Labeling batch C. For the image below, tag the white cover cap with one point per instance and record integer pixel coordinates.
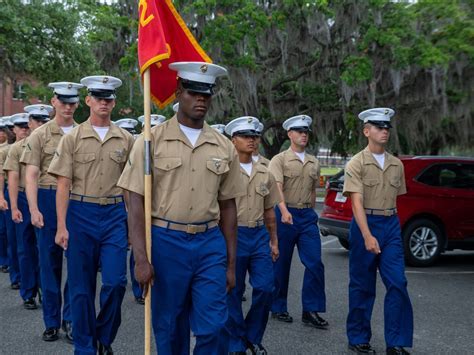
(126, 123)
(102, 86)
(66, 91)
(247, 124)
(300, 121)
(39, 110)
(176, 107)
(156, 120)
(380, 116)
(201, 72)
(20, 118)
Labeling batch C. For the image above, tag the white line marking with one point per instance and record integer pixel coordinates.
(328, 241)
(441, 272)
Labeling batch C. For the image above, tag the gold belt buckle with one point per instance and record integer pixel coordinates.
(300, 204)
(387, 213)
(192, 228)
(103, 201)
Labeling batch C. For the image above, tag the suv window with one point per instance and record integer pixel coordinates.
(451, 175)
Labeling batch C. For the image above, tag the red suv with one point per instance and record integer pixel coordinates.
(436, 213)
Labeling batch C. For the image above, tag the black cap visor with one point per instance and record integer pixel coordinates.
(381, 124)
(246, 133)
(131, 130)
(21, 125)
(300, 129)
(198, 87)
(41, 118)
(68, 99)
(102, 94)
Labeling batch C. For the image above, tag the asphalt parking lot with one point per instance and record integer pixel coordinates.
(442, 297)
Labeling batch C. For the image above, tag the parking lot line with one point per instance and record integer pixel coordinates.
(440, 272)
(328, 241)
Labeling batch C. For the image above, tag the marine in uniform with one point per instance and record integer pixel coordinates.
(21, 131)
(92, 218)
(256, 156)
(257, 245)
(155, 120)
(3, 230)
(196, 178)
(25, 235)
(297, 175)
(41, 194)
(373, 180)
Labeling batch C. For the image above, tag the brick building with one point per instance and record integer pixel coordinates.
(12, 96)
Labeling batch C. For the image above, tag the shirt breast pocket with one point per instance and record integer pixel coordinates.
(262, 191)
(49, 150)
(167, 172)
(215, 169)
(118, 156)
(83, 163)
(370, 189)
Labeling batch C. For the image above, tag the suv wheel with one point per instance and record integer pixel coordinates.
(344, 243)
(423, 242)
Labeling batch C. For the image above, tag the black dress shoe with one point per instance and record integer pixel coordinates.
(30, 303)
(51, 334)
(105, 349)
(15, 286)
(4, 269)
(237, 353)
(67, 329)
(313, 319)
(362, 348)
(283, 317)
(397, 350)
(140, 300)
(257, 349)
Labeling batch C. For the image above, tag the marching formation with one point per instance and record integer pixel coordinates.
(221, 212)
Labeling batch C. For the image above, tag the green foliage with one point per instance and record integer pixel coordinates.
(356, 70)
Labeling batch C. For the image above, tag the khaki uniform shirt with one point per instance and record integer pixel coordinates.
(187, 181)
(93, 165)
(262, 194)
(299, 179)
(12, 163)
(379, 187)
(3, 156)
(39, 150)
(262, 160)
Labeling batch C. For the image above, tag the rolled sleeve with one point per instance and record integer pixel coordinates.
(62, 163)
(276, 168)
(12, 163)
(32, 152)
(403, 188)
(132, 178)
(352, 178)
(316, 180)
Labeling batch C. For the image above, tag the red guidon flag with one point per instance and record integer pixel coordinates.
(163, 38)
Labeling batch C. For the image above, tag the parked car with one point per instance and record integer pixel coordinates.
(436, 214)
